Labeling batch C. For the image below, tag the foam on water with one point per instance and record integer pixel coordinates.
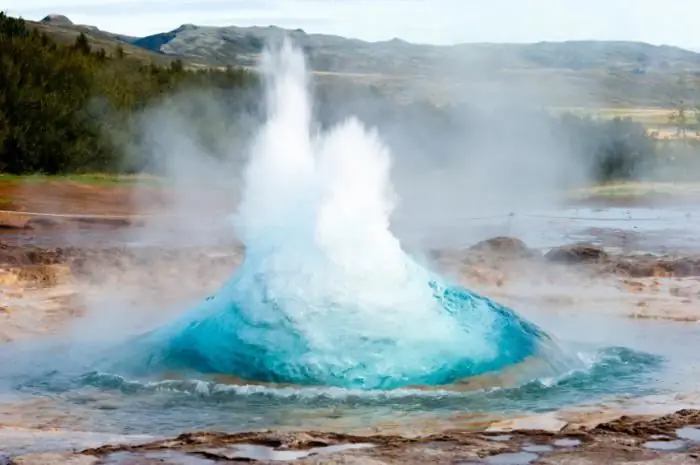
(601, 375)
(326, 295)
(174, 403)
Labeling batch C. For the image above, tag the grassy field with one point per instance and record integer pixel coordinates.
(628, 189)
(652, 117)
(86, 179)
(656, 120)
(106, 178)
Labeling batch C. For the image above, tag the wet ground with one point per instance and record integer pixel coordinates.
(669, 229)
(671, 439)
(589, 301)
(627, 303)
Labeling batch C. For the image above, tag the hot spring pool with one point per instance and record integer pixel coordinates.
(331, 324)
(651, 363)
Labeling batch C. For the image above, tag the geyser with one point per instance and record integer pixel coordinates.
(325, 294)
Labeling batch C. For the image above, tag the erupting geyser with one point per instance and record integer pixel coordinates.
(325, 294)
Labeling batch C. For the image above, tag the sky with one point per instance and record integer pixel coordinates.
(673, 22)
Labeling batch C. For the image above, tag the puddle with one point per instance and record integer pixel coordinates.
(689, 433)
(340, 448)
(245, 452)
(499, 438)
(174, 458)
(18, 441)
(650, 229)
(567, 442)
(255, 452)
(538, 448)
(665, 445)
(516, 458)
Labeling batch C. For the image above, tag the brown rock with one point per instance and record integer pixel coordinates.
(577, 253)
(43, 223)
(56, 19)
(14, 221)
(685, 267)
(503, 246)
(659, 267)
(43, 275)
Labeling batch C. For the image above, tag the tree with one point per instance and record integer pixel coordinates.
(82, 44)
(177, 66)
(679, 118)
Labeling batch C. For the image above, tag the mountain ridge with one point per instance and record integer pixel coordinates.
(232, 42)
(561, 73)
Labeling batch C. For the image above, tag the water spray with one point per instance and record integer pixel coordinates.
(325, 295)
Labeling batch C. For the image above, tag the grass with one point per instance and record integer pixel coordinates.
(626, 188)
(87, 178)
(640, 188)
(651, 117)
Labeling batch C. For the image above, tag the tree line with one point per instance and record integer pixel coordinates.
(58, 103)
(608, 149)
(63, 107)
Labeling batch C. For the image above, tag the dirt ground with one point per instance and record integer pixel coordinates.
(127, 199)
(119, 199)
(72, 197)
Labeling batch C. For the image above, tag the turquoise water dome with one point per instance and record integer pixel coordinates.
(325, 295)
(250, 331)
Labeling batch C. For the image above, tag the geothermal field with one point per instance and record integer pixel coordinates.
(318, 316)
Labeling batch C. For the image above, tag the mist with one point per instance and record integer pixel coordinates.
(482, 156)
(490, 155)
(483, 153)
(485, 146)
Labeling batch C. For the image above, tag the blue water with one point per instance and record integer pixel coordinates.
(246, 331)
(111, 402)
(169, 380)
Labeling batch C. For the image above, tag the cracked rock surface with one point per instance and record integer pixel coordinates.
(670, 439)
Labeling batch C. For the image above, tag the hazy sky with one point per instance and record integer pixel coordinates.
(672, 22)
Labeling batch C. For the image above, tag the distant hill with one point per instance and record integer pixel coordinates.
(229, 45)
(575, 73)
(61, 29)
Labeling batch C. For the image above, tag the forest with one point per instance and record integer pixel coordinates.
(59, 103)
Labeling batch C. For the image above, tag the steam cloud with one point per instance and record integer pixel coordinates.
(325, 294)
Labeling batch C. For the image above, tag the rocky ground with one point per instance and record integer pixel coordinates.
(580, 275)
(42, 289)
(670, 439)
